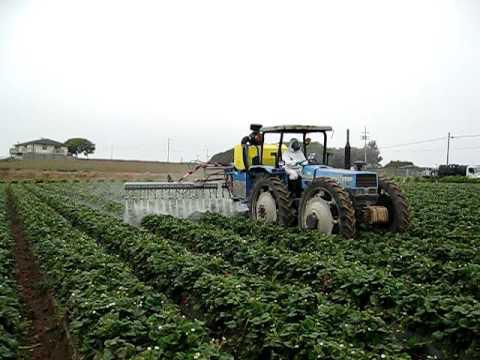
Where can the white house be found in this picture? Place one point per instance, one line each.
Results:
(39, 149)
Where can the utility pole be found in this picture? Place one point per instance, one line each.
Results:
(206, 150)
(448, 147)
(365, 139)
(168, 150)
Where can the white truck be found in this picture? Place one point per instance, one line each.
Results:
(471, 171)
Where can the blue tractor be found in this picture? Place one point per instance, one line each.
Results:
(308, 192)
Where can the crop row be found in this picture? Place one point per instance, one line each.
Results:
(414, 274)
(340, 280)
(444, 215)
(109, 312)
(419, 257)
(440, 255)
(254, 316)
(11, 322)
(84, 193)
(419, 260)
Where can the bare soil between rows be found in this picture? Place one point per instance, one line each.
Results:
(46, 339)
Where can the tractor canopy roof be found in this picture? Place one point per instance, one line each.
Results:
(295, 128)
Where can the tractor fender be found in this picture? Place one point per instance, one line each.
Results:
(262, 170)
(256, 169)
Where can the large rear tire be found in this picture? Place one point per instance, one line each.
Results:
(390, 196)
(271, 202)
(326, 207)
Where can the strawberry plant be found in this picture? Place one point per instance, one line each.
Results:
(11, 322)
(252, 315)
(109, 312)
(268, 292)
(438, 259)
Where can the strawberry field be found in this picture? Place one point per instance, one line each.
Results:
(228, 288)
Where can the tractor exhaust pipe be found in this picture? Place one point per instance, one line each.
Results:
(348, 162)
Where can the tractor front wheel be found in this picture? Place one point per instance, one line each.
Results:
(271, 202)
(390, 196)
(326, 207)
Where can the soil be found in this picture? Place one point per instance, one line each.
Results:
(47, 339)
(90, 170)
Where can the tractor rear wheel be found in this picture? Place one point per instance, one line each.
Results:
(271, 202)
(390, 196)
(326, 207)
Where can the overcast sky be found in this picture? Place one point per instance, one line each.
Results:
(130, 74)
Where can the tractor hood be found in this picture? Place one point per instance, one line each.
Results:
(346, 178)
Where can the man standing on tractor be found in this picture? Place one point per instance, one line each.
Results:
(294, 158)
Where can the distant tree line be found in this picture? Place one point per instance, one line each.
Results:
(337, 155)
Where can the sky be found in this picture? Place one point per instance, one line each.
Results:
(129, 75)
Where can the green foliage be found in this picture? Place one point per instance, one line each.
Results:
(448, 180)
(437, 263)
(78, 146)
(264, 291)
(374, 159)
(459, 180)
(252, 316)
(395, 164)
(109, 312)
(11, 322)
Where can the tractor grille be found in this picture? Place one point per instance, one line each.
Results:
(366, 180)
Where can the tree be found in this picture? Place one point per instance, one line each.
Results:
(398, 163)
(373, 154)
(357, 154)
(78, 146)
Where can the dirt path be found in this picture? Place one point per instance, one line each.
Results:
(46, 338)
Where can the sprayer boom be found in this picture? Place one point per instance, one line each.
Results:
(180, 199)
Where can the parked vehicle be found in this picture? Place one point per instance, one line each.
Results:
(471, 171)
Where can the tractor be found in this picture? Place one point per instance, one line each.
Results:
(318, 197)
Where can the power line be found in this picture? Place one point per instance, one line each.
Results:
(415, 150)
(457, 137)
(465, 136)
(428, 140)
(449, 138)
(413, 143)
(467, 148)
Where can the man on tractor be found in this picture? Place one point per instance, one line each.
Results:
(294, 158)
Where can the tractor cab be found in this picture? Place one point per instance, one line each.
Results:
(266, 146)
(283, 176)
(268, 150)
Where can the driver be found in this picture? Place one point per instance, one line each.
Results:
(293, 158)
